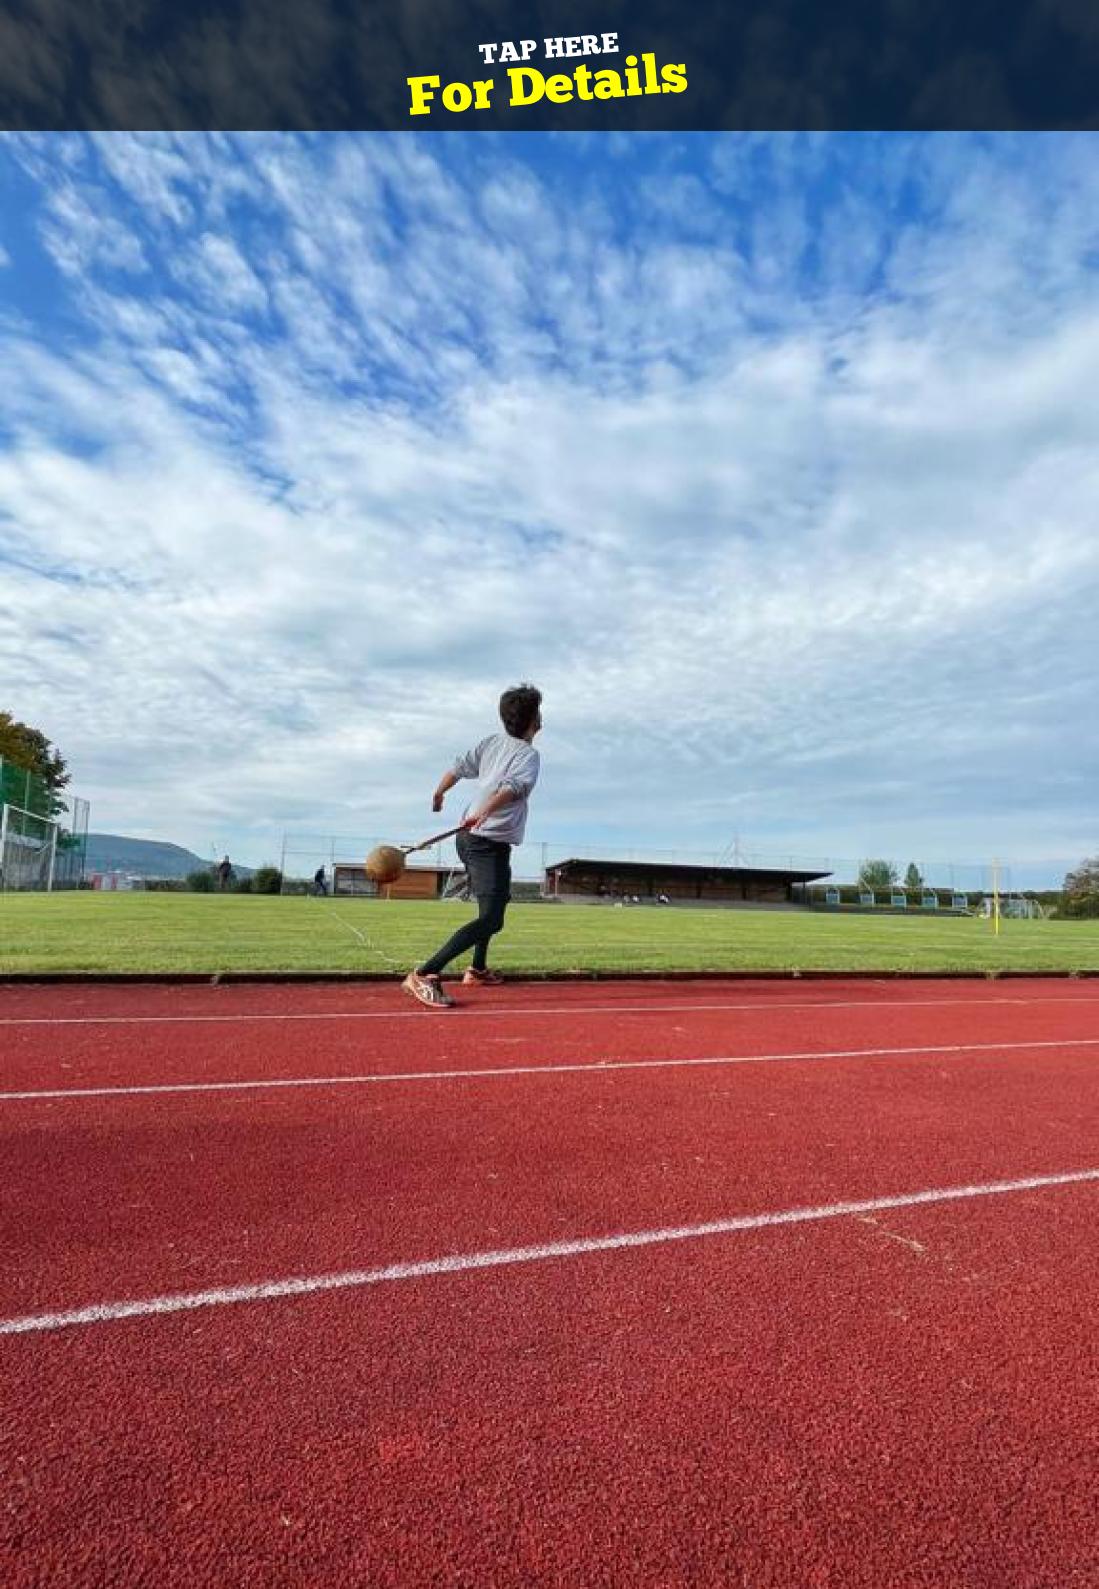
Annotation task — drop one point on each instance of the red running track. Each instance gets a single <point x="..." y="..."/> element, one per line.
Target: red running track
<point x="904" y="1396"/>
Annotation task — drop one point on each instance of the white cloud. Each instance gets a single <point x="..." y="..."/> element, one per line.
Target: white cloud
<point x="790" y="511"/>
<point x="80" y="237"/>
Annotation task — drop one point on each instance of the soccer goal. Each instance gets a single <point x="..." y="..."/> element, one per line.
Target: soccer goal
<point x="28" y="849"/>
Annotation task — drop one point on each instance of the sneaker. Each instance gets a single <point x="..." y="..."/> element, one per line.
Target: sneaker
<point x="428" y="989"/>
<point x="481" y="979"/>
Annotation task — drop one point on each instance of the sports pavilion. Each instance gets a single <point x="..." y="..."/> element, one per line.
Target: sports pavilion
<point x="582" y="878"/>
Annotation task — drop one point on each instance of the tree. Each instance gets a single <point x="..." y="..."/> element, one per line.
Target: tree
<point x="913" y="879"/>
<point x="877" y="874"/>
<point x="29" y="749"/>
<point x="1081" y="890"/>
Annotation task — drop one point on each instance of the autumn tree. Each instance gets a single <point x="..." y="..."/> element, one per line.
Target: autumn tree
<point x="27" y="750"/>
<point x="1081" y="890"/>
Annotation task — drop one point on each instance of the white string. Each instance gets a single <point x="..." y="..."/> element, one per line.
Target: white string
<point x="371" y="948"/>
<point x="367" y="944"/>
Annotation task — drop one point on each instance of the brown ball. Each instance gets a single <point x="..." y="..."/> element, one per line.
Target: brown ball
<point x="385" y="864"/>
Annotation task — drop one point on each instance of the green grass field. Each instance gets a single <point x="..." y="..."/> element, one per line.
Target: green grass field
<point x="195" y="932"/>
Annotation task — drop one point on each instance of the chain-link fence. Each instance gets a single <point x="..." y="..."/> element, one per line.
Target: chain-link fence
<point x="19" y="786"/>
<point x="72" y="845"/>
<point x="303" y="854"/>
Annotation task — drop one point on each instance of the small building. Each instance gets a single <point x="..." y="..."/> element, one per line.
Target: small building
<point x="349" y="881"/>
<point x="117" y="882"/>
<point x="585" y="879"/>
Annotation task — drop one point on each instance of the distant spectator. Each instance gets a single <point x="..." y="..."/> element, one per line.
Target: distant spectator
<point x="225" y="873"/>
<point x="663" y="899"/>
<point x="320" y="883"/>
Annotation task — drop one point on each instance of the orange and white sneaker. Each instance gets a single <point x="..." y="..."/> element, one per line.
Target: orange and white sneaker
<point x="481" y="979"/>
<point x="428" y="989"/>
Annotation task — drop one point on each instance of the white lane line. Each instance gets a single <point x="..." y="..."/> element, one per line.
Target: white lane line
<point x="458" y="1263"/>
<point x="598" y="1066"/>
<point x="577" y="1011"/>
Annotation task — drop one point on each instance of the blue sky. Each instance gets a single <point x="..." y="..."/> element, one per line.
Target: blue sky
<point x="772" y="459"/>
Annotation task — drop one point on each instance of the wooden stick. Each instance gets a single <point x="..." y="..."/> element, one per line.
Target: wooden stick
<point x="437" y="838"/>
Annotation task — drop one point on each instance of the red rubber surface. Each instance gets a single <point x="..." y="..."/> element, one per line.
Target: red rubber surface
<point x="907" y="1398"/>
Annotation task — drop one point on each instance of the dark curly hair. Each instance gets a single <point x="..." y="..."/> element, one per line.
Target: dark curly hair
<point x="518" y="708"/>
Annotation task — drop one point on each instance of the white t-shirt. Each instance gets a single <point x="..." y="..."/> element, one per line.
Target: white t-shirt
<point x="501" y="762"/>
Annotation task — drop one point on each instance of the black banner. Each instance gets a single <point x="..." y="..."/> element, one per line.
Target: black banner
<point x="584" y="65"/>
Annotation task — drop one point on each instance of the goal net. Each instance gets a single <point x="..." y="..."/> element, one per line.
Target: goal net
<point x="28" y="849"/>
<point x="38" y="852"/>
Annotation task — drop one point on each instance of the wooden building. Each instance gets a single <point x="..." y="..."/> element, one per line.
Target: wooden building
<point x="610" y="881"/>
<point x="350" y="881"/>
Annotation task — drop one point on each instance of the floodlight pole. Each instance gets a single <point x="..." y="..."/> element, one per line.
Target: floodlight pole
<point x="3" y="848"/>
<point x="53" y="860"/>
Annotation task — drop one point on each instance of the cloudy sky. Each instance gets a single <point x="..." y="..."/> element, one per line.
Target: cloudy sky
<point x="773" y="460"/>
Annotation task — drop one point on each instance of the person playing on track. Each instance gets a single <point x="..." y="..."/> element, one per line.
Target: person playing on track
<point x="506" y="769"/>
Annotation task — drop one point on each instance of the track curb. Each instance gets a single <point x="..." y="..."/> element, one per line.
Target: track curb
<point x="245" y="978"/>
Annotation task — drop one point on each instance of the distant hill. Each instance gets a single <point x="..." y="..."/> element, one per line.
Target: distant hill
<point x="111" y="852"/>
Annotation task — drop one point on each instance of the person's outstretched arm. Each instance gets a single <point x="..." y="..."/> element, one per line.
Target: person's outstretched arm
<point x="445" y="785"/>
<point x="467" y="766"/>
<point x="502" y="797"/>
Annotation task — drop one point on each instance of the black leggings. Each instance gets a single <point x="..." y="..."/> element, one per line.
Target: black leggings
<point x="488" y="866"/>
